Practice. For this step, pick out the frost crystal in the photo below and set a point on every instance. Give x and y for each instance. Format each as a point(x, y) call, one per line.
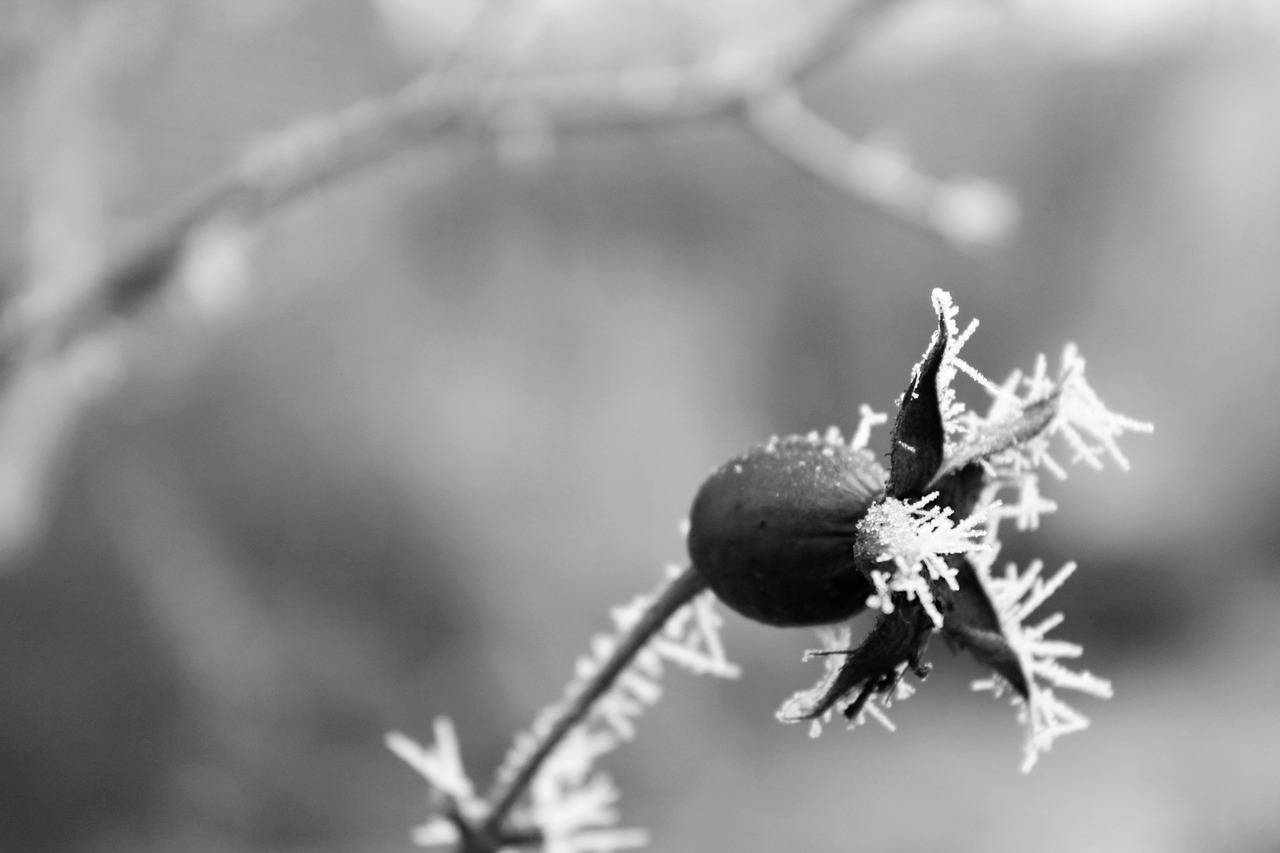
point(1028, 508)
point(575, 808)
point(915, 536)
point(954, 415)
point(1087, 426)
point(450, 787)
point(1082, 416)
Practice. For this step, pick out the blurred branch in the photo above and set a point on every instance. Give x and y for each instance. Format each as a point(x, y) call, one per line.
point(74, 56)
point(967, 212)
point(315, 154)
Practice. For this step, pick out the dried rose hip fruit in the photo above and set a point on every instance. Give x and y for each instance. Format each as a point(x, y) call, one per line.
point(773, 530)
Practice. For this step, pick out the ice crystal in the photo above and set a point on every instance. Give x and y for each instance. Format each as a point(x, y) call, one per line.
point(1026, 510)
point(574, 807)
point(450, 789)
point(1082, 416)
point(915, 537)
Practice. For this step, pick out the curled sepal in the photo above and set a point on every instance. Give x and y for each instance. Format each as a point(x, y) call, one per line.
point(896, 643)
point(918, 433)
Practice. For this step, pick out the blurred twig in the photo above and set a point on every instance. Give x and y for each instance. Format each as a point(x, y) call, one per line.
point(315, 154)
point(968, 212)
point(74, 56)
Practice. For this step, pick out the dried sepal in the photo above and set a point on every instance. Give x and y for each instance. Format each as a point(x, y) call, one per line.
point(897, 642)
point(973, 626)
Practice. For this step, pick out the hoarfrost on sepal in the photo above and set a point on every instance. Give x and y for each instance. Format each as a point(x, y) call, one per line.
point(1015, 596)
point(953, 411)
point(1082, 416)
point(836, 642)
point(1085, 423)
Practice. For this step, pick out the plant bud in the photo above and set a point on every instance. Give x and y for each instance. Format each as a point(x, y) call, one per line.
point(774, 530)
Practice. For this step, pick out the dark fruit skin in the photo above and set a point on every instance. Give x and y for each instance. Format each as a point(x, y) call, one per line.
point(774, 530)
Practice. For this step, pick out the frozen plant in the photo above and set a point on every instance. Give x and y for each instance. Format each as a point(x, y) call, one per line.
point(811, 530)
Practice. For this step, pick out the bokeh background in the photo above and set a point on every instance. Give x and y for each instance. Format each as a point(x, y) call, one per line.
point(457, 405)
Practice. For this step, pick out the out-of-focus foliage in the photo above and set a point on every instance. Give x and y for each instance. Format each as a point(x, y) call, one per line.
point(464, 400)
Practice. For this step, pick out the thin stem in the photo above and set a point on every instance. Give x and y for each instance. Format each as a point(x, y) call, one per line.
point(687, 585)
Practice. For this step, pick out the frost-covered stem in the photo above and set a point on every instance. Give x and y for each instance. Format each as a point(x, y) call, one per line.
point(683, 589)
